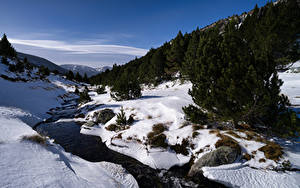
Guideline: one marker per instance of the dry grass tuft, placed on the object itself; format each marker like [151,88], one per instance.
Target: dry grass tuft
[228,141]
[159,128]
[119,136]
[181,148]
[195,134]
[262,160]
[35,138]
[197,127]
[149,117]
[247,156]
[215,131]
[233,134]
[111,127]
[156,138]
[272,151]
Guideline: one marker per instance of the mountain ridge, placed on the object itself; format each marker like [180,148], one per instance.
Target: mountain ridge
[82,69]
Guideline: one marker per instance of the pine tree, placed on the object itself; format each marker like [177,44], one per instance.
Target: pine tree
[78,77]
[85,78]
[233,82]
[190,57]
[4,60]
[6,48]
[175,55]
[121,117]
[70,75]
[126,88]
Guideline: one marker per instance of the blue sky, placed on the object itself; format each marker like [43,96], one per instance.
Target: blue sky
[103,32]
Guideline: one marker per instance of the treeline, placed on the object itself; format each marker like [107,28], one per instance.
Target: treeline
[278,24]
[70,76]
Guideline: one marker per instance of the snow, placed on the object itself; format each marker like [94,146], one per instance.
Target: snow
[291,87]
[163,104]
[160,105]
[239,175]
[49,166]
[242,175]
[29,164]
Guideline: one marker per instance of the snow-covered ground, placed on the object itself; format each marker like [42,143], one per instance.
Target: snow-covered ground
[29,164]
[163,104]
[22,104]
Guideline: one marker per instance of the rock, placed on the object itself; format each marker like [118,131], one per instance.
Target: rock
[220,156]
[89,124]
[81,115]
[104,116]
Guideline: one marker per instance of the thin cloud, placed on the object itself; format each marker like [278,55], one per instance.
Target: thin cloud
[77,48]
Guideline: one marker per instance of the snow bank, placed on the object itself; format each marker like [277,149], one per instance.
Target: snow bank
[238,175]
[27,164]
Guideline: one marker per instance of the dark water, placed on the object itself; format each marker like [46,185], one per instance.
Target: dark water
[91,148]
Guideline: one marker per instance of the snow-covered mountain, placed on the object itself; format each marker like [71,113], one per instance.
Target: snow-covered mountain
[103,69]
[82,69]
[39,61]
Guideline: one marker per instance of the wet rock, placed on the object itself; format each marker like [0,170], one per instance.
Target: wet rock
[104,116]
[220,156]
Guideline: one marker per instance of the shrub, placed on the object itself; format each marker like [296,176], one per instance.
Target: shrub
[158,140]
[130,120]
[4,60]
[181,148]
[112,127]
[288,124]
[35,138]
[84,96]
[227,141]
[121,117]
[272,151]
[158,128]
[247,157]
[126,88]
[195,134]
[44,71]
[18,67]
[76,90]
[100,89]
[195,115]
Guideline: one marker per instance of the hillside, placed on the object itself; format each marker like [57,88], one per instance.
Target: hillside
[279,21]
[39,61]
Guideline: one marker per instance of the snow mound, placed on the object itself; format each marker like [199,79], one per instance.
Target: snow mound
[238,175]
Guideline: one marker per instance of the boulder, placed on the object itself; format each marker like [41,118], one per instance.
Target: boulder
[104,116]
[220,156]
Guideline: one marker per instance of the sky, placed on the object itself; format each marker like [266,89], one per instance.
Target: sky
[98,33]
